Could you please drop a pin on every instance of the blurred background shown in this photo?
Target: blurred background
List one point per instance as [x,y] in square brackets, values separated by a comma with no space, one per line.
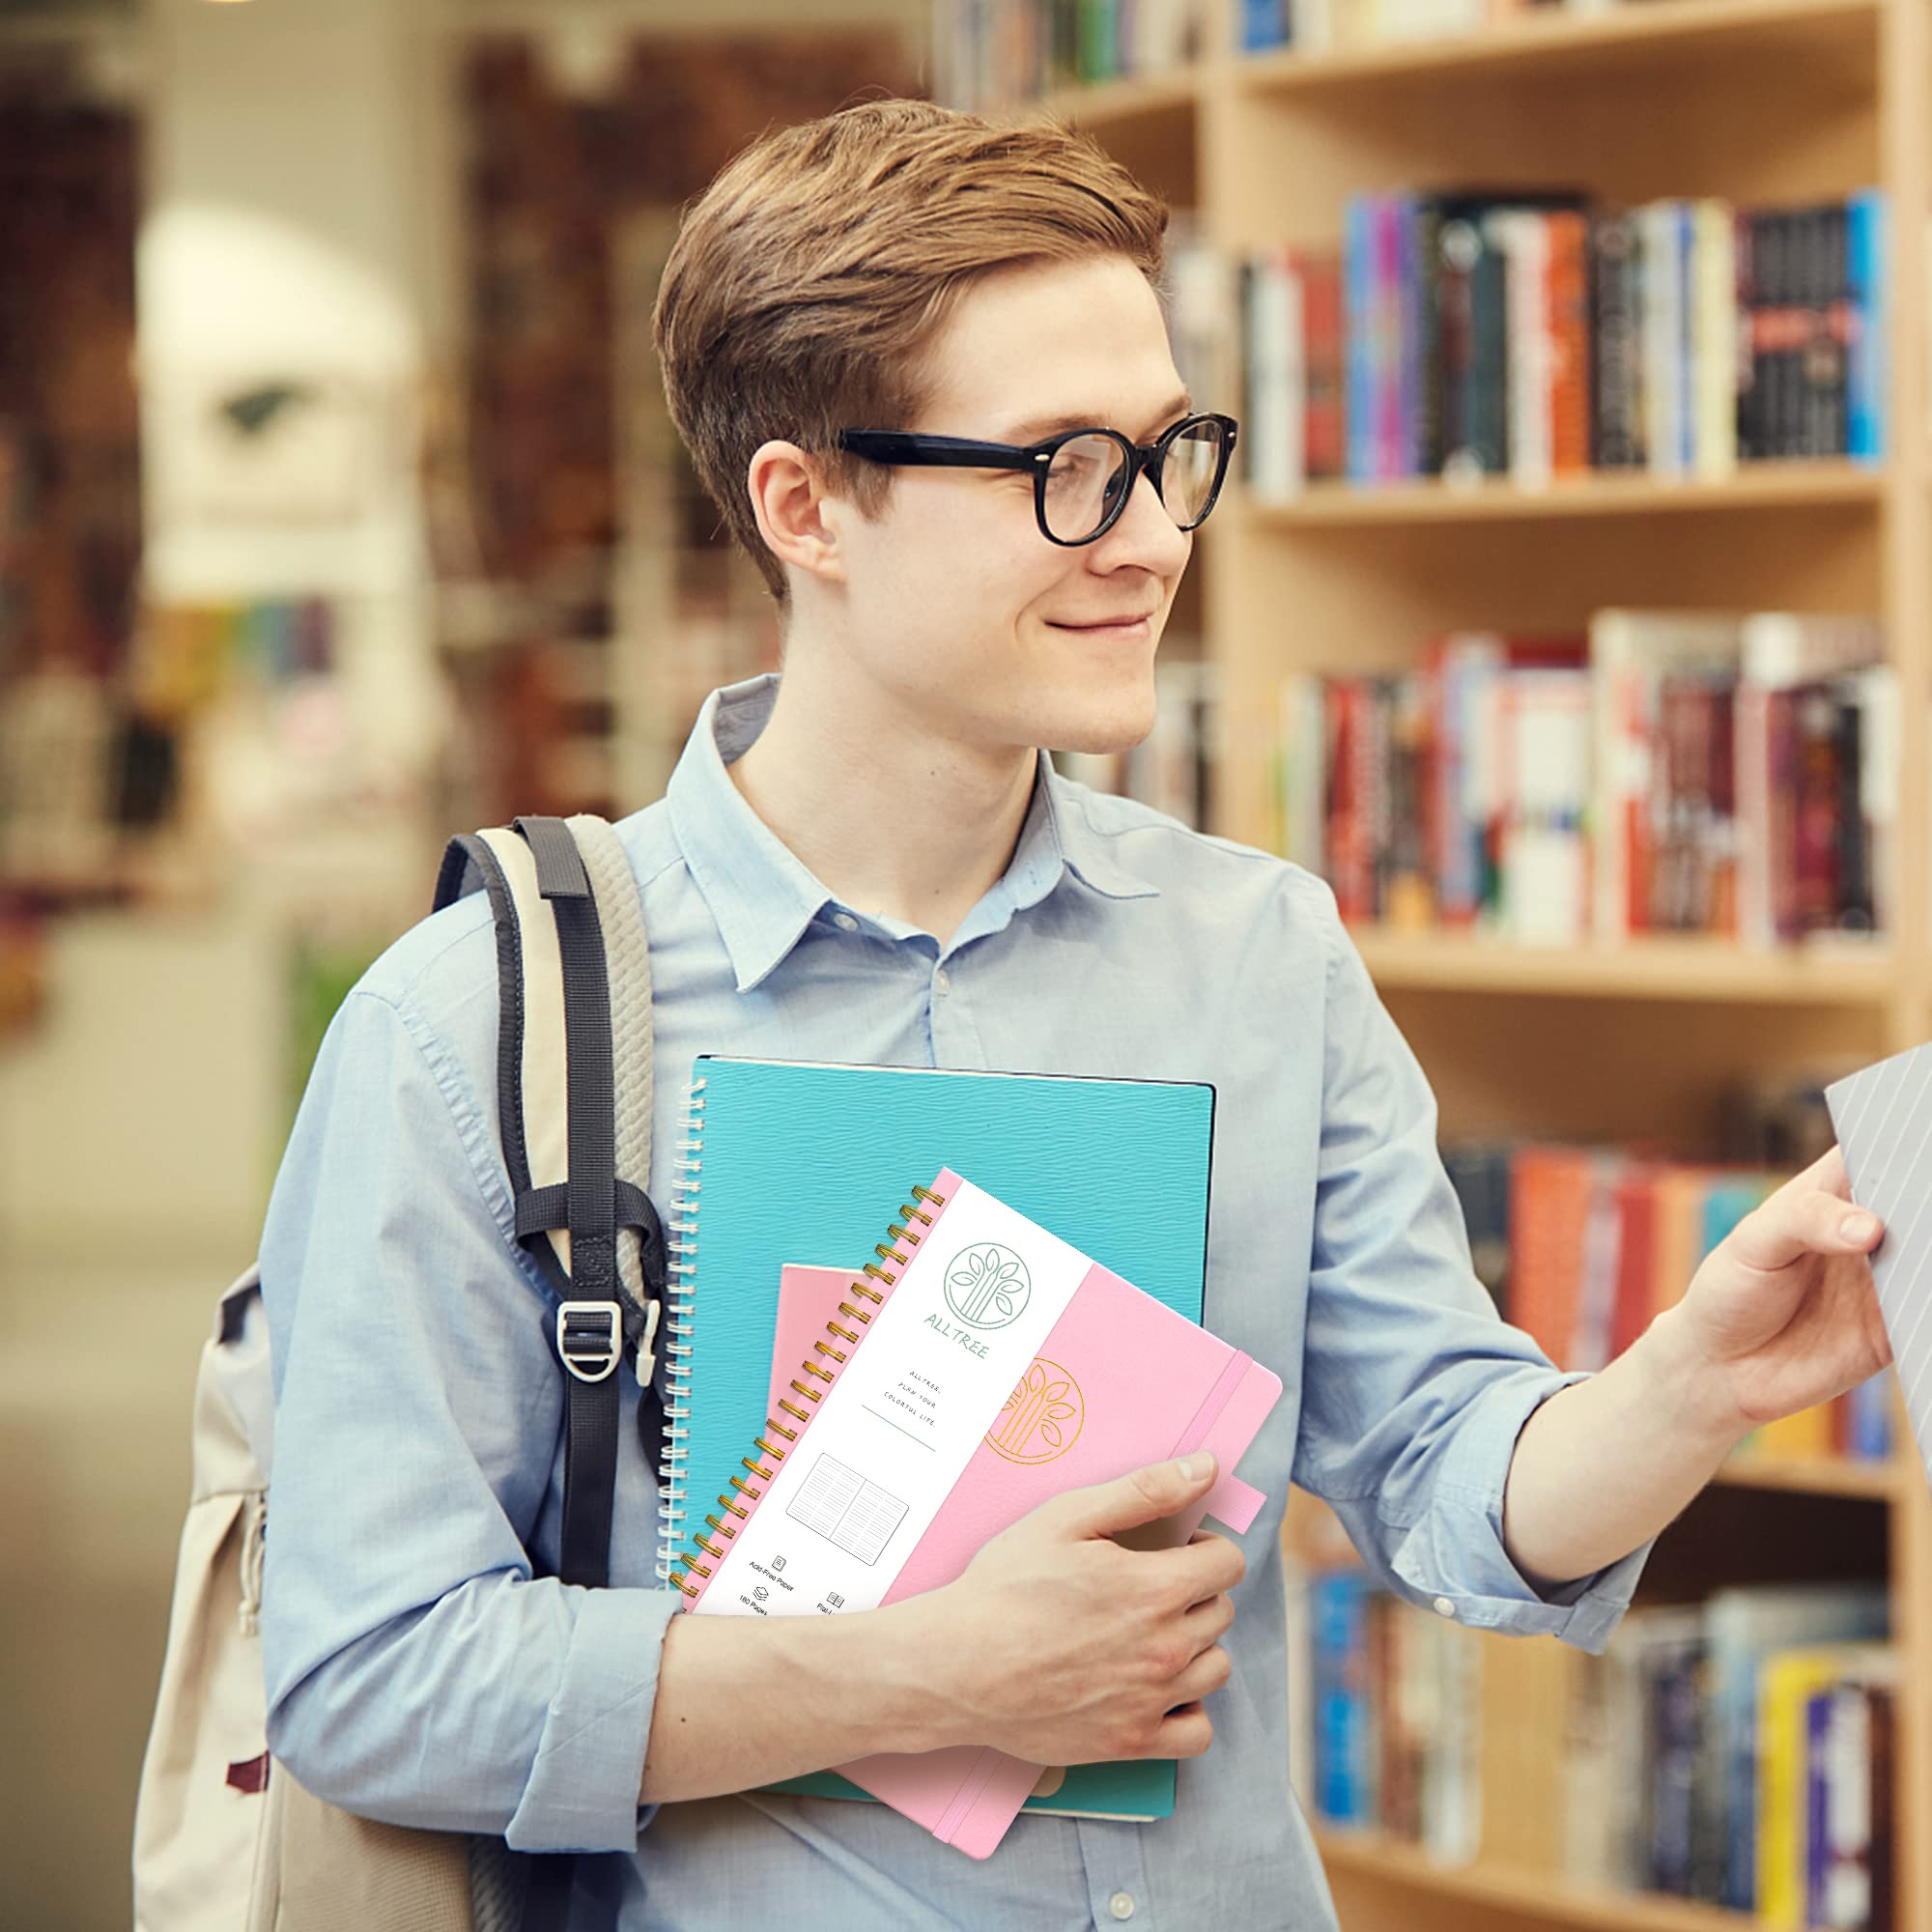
[1569,613]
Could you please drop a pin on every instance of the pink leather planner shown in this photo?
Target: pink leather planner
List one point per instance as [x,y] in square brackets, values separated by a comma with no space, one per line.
[1117,1380]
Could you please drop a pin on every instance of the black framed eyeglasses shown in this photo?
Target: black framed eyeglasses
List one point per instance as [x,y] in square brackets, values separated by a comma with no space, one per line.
[1082,478]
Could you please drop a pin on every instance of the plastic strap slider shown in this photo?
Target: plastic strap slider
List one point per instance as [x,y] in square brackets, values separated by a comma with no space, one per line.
[590,1338]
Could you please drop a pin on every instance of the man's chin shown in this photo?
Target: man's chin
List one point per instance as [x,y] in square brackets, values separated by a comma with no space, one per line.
[1096,736]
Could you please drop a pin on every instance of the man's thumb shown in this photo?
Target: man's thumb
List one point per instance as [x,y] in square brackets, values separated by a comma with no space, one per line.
[1141,1495]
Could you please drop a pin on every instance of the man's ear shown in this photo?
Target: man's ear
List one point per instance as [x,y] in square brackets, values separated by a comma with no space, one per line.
[797,515]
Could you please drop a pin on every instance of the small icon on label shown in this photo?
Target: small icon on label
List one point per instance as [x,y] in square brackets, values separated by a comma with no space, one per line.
[778,1563]
[760,1592]
[833,1598]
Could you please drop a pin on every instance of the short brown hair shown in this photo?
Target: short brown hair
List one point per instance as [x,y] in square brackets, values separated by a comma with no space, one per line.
[811,274]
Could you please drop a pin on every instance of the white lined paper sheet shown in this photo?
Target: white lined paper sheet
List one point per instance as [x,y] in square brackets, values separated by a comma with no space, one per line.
[1883,1116]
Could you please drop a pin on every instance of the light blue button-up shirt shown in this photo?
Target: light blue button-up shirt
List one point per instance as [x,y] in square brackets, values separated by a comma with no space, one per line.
[418,1672]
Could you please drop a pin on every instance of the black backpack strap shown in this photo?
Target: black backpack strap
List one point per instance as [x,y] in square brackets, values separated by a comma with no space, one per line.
[589,1325]
[596,1315]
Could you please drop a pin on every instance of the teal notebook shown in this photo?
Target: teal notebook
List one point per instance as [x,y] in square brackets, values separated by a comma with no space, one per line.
[787,1161]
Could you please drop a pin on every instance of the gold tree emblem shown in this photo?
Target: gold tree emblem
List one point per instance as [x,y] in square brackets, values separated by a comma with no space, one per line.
[1043,1416]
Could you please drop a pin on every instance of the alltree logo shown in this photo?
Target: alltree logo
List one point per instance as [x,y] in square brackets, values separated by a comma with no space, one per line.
[987,1284]
[1041,1417]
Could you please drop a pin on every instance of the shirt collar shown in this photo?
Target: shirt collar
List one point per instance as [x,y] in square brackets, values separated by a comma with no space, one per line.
[763,897]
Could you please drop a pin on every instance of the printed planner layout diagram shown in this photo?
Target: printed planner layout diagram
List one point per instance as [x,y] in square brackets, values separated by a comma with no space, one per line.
[848,1510]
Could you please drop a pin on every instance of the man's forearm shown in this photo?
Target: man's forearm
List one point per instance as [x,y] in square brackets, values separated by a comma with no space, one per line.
[1603,1464]
[743,1700]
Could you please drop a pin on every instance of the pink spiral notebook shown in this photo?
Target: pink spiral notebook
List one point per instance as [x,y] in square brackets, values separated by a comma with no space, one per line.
[1118,1380]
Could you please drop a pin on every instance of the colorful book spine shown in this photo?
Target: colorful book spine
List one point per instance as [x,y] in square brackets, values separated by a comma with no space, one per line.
[1344,1731]
[1867,287]
[1359,339]
[1569,332]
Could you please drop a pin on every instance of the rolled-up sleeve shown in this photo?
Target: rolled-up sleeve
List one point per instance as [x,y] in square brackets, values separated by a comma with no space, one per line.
[416,1671]
[1414,1390]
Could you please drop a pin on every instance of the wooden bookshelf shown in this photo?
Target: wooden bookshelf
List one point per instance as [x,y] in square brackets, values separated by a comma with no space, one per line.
[1834,30]
[1758,102]
[1379,1864]
[1328,506]
[1816,1475]
[1120,104]
[1652,967]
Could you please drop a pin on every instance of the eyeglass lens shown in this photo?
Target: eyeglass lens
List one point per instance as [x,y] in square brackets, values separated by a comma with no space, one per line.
[1085,476]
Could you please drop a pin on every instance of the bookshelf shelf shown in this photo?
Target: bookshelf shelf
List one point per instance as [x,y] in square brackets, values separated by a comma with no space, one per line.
[1552,41]
[1109,104]
[1603,494]
[1661,967]
[1542,1897]
[1813,1476]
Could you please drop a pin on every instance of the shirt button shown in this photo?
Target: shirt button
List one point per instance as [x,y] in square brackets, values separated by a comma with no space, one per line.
[1444,1608]
[1122,1904]
[845,921]
[942,985]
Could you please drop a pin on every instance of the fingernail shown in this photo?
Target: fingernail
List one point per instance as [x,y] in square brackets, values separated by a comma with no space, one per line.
[1195,1466]
[1858,1227]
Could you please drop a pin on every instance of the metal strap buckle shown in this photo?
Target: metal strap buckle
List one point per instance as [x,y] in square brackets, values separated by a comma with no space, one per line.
[590,1338]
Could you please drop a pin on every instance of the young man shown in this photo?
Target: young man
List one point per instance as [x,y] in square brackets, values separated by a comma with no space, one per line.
[871,859]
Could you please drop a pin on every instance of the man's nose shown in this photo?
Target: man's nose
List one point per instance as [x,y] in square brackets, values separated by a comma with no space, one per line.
[1146,529]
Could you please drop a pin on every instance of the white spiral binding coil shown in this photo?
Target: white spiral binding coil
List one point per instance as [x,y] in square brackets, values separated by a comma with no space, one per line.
[680,1281]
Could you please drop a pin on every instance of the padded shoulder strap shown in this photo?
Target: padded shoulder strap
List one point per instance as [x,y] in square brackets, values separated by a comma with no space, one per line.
[575,972]
[469,862]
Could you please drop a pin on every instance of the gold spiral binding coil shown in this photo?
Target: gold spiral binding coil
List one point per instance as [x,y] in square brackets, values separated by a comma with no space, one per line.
[886,1251]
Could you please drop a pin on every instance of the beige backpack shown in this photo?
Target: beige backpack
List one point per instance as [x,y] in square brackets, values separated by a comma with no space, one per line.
[225,1840]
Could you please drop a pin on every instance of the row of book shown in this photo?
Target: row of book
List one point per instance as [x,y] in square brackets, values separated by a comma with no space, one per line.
[1738,1751]
[1583,1247]
[1480,332]
[1727,774]
[991,54]
[1316,26]
[1173,768]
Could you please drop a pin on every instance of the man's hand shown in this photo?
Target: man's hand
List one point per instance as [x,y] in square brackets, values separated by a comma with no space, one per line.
[1783,1313]
[1061,1647]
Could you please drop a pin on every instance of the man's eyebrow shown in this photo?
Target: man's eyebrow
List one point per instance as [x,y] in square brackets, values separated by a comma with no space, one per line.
[1036,429]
